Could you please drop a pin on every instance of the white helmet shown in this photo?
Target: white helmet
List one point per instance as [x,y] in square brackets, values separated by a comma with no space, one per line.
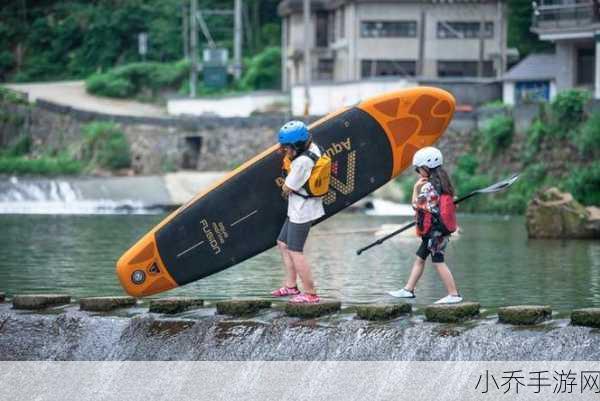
[429,157]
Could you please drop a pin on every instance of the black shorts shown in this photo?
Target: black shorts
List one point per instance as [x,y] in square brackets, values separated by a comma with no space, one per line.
[425,250]
[294,235]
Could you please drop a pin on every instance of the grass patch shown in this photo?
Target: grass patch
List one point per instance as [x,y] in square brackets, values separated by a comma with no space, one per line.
[105,146]
[497,134]
[21,165]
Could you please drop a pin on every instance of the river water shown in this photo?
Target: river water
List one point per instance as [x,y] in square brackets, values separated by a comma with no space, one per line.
[492,260]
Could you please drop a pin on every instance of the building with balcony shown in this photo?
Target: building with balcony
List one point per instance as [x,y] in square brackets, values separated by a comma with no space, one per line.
[574,27]
[357,40]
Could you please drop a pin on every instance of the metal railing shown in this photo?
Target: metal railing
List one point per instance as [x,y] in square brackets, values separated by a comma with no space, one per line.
[565,14]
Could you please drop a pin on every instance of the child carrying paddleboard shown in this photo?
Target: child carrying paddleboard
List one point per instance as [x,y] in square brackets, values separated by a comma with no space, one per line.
[433,202]
[306,169]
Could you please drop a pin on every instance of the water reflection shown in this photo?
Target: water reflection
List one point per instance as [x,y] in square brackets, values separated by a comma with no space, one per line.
[492,261]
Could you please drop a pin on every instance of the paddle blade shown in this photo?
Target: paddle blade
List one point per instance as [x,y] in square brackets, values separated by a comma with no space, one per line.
[499,186]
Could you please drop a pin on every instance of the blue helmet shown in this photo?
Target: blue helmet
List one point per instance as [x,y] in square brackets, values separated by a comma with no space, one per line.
[293,132]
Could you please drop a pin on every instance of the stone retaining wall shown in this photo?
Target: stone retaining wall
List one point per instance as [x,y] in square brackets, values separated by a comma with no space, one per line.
[196,143]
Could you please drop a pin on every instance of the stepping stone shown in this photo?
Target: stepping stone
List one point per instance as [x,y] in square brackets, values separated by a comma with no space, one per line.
[312,310]
[382,312]
[39,301]
[524,314]
[452,313]
[2,296]
[105,304]
[175,304]
[586,317]
[241,307]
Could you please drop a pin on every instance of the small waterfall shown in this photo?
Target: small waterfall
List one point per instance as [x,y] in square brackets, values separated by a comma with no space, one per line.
[59,196]
[75,335]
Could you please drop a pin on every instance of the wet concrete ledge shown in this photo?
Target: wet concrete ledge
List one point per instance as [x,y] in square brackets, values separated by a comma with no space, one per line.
[40,301]
[589,317]
[382,312]
[105,304]
[524,314]
[241,307]
[452,313]
[312,310]
[175,305]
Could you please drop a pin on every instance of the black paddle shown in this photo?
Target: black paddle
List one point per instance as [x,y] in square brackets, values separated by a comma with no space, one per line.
[499,186]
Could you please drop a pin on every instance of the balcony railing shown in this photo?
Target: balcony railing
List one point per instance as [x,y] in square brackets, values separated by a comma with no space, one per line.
[563,14]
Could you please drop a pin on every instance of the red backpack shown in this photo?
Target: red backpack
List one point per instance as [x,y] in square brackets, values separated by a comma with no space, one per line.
[444,221]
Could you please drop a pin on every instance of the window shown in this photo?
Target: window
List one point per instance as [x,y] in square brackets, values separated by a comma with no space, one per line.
[532,91]
[383,68]
[453,69]
[586,64]
[322,29]
[325,69]
[463,30]
[388,29]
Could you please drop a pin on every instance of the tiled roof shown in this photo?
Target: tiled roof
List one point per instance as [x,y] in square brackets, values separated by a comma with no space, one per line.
[534,67]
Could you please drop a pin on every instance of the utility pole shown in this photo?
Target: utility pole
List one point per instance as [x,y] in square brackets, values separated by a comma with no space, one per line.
[307,43]
[421,70]
[237,43]
[193,47]
[185,30]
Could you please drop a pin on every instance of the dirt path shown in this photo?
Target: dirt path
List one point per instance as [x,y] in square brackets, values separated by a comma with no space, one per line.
[72,93]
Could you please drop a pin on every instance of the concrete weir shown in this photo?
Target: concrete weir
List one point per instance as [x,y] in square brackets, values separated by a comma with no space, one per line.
[40,301]
[586,317]
[174,305]
[241,307]
[524,314]
[382,312]
[105,304]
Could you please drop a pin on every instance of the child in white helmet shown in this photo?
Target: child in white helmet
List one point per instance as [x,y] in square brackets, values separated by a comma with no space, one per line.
[433,183]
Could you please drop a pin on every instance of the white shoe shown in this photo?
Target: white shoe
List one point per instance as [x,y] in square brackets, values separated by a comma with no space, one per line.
[450,299]
[403,293]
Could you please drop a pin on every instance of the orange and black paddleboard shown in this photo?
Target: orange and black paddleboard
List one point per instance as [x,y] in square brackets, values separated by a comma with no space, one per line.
[241,215]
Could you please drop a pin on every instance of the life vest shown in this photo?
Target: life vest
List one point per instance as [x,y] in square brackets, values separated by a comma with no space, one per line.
[317,184]
[445,220]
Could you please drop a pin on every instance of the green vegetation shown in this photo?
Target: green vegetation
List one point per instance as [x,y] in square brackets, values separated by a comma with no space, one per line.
[497,133]
[138,79]
[520,14]
[583,184]
[588,138]
[263,71]
[105,146]
[568,111]
[73,39]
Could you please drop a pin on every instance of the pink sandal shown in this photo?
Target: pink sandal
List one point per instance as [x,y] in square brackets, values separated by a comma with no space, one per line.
[285,292]
[305,298]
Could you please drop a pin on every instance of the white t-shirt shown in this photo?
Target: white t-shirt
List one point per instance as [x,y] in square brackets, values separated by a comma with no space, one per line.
[302,210]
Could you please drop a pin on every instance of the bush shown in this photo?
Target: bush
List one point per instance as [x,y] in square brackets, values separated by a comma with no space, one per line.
[109,85]
[568,110]
[535,135]
[466,180]
[498,133]
[264,70]
[105,145]
[132,79]
[588,139]
[583,184]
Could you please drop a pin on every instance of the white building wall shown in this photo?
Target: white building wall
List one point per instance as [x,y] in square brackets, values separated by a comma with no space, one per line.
[508,93]
[565,52]
[325,99]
